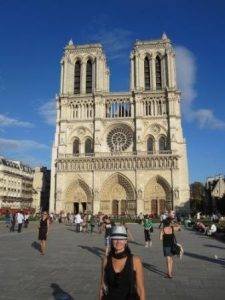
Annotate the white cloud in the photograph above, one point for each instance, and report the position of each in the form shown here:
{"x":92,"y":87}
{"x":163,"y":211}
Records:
{"x":48,"y":112}
{"x":186,"y":75}
{"x":23,"y":150}
{"x":116,"y":41}
{"x":20,"y":145}
{"x":10,"y":122}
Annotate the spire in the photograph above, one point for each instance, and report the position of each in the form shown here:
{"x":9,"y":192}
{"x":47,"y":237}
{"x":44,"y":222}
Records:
{"x":70,"y":42}
{"x":164,"y":36}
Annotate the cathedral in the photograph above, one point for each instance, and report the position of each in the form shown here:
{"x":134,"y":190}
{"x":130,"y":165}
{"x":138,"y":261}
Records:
{"x":119,"y":152}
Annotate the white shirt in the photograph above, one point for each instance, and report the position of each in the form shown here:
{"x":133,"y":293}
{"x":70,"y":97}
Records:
{"x":20,"y":218}
{"x":213,"y":228}
{"x":78,"y":219}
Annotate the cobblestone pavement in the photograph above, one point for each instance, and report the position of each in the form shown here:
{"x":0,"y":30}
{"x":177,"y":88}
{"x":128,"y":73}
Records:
{"x":70,"y":269}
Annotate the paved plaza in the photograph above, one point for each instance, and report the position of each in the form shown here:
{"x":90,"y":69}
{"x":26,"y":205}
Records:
{"x":70,"y":269}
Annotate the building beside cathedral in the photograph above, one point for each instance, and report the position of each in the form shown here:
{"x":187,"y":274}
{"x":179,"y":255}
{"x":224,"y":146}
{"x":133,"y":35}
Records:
{"x":16,"y":184}
{"x":120,"y":152}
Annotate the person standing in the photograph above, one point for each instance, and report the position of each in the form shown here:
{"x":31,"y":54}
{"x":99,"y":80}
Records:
{"x":148,"y":227}
{"x":78,"y":221}
{"x":43,"y":231}
{"x":13,"y":222}
{"x":19,"y":219}
{"x":26,"y":220}
{"x":167,"y":236}
{"x":122,"y":275}
{"x":92,"y":222}
{"x":108,"y":227}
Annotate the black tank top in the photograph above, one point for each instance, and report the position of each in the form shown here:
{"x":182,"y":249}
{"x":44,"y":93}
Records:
{"x":43,"y":224}
{"x":168,"y":238}
{"x":120,"y":286}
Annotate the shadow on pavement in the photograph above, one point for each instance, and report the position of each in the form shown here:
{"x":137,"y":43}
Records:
{"x":136,"y":243}
{"x":205,"y":258}
{"x":36,"y":246}
{"x":94,"y":250}
{"x":60,"y":294}
{"x":213,"y":246}
{"x":153,"y":269}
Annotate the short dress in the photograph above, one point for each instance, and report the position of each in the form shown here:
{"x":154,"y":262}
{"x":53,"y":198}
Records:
{"x":43,"y":229}
{"x":168,"y":240}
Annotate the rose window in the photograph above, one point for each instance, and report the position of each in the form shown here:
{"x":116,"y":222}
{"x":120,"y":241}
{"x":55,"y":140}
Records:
{"x":120,"y":138}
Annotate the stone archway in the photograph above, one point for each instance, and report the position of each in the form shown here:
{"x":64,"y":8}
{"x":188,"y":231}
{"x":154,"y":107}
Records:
{"x":157,"y":196}
{"x":117,"y":196}
{"x":78,"y":197}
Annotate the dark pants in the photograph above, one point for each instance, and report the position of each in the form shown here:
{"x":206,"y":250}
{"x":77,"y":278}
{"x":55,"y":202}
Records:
{"x":20,"y":227}
{"x":147,"y":235}
{"x":77,"y":227}
{"x":12,"y":228}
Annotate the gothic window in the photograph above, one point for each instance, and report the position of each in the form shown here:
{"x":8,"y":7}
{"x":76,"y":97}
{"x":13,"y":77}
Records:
{"x":158,"y":73}
{"x":150,"y":144}
{"x":162,"y":143}
{"x":147,"y":73}
{"x":88,"y":146}
{"x":76,"y":147}
{"x":120,"y":138}
{"x":77,"y":77}
{"x":89,"y":77}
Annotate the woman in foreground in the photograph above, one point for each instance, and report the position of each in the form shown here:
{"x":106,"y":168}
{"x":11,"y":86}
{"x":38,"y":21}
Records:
{"x":122,"y":276}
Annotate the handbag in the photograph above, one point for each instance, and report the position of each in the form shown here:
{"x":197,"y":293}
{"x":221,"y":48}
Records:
{"x":151,"y":229}
{"x":175,"y":248}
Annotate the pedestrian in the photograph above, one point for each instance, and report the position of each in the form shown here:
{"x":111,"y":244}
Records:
{"x":19,"y":219}
{"x":148,"y":228}
{"x":13,"y":222}
{"x":108,"y":227}
{"x":7,"y":218}
{"x":122,"y":275}
{"x":168,"y":238}
{"x":26,"y":219}
{"x":43,"y":231}
{"x":92,"y":222}
{"x":78,"y":221}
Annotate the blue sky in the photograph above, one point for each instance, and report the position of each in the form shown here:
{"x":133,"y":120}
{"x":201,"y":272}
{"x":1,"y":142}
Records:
{"x":33,"y":34}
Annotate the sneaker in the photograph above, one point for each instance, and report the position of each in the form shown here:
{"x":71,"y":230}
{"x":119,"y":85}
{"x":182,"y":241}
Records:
{"x":150,"y":244}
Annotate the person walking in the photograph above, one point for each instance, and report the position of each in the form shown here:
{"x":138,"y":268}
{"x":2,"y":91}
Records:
{"x":148,"y":228}
{"x":43,"y":231}
{"x":19,"y":219}
{"x":168,"y":238}
{"x":122,"y":276}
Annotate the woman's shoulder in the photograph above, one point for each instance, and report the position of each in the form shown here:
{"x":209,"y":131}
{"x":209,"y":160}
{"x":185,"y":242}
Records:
{"x":137,"y":260}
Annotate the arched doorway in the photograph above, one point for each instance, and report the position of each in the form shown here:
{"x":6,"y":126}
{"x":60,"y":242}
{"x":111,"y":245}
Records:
{"x":117,"y":196}
{"x":157,"y":196}
{"x":78,"y":197}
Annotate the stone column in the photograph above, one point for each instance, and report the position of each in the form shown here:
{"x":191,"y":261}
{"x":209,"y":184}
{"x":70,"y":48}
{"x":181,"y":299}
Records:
{"x":131,"y":72}
{"x":153,"y":73}
{"x":62,"y":78}
{"x":83,"y":77}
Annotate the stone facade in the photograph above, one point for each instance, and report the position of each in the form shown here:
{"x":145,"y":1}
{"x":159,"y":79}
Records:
{"x":16,"y":181}
{"x":119,"y":152}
